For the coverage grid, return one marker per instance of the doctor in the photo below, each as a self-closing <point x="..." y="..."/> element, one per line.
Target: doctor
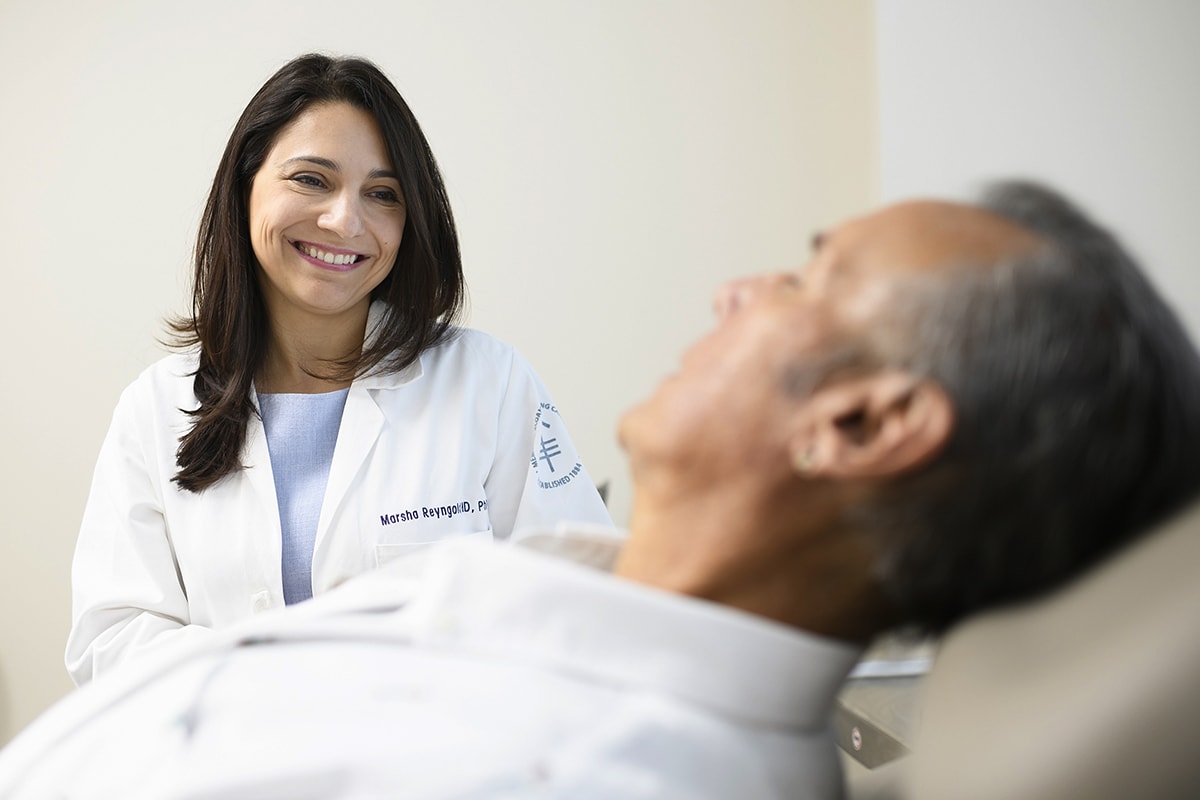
<point x="323" y="416"/>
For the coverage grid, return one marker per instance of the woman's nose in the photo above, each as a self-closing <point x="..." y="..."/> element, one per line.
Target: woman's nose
<point x="342" y="217"/>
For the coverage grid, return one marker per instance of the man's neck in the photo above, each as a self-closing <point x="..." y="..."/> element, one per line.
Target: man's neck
<point x="783" y="557"/>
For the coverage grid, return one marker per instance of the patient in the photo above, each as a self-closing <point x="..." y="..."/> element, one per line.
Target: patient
<point x="951" y="408"/>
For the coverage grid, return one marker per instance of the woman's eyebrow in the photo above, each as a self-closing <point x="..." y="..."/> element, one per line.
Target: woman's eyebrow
<point x="329" y="164"/>
<point x="317" y="160"/>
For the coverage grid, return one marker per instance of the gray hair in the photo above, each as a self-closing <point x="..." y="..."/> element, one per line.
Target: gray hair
<point x="1075" y="392"/>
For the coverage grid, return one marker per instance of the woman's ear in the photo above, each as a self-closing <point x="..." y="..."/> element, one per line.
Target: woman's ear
<point x="874" y="426"/>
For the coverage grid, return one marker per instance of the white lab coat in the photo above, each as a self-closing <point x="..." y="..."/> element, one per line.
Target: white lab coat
<point x="465" y="442"/>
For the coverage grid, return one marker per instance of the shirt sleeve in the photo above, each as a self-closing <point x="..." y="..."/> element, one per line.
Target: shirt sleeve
<point x="537" y="479"/>
<point x="126" y="587"/>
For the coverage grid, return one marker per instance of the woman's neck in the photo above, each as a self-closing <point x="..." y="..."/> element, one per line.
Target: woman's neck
<point x="301" y="352"/>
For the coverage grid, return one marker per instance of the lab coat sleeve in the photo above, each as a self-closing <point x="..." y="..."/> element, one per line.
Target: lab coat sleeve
<point x="127" y="593"/>
<point x="537" y="479"/>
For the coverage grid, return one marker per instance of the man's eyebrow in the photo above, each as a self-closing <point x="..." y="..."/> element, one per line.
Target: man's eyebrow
<point x="333" y="166"/>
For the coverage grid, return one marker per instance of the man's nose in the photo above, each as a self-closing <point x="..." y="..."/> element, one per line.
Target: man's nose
<point x="734" y="295"/>
<point x="343" y="216"/>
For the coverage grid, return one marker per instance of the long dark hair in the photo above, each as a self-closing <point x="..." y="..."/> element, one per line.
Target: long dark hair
<point x="422" y="295"/>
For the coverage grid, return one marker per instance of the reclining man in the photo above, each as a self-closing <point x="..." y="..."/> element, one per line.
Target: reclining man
<point x="952" y="407"/>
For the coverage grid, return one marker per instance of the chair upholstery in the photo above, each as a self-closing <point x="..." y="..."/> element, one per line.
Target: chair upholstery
<point x="1091" y="692"/>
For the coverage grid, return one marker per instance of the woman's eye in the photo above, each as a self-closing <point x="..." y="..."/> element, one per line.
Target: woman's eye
<point x="308" y="180"/>
<point x="386" y="195"/>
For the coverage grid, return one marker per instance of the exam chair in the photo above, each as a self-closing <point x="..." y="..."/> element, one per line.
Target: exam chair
<point x="1090" y="693"/>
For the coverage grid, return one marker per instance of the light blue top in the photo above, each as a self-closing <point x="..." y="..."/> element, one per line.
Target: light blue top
<point x="301" y="432"/>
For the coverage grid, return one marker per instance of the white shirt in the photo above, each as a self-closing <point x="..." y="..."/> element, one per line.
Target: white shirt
<point x="470" y="671"/>
<point x="464" y="442"/>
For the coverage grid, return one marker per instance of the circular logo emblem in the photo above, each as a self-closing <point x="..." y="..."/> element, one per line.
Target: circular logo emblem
<point x="554" y="460"/>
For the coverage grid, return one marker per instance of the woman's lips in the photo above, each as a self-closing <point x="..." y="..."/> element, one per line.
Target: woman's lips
<point x="329" y="257"/>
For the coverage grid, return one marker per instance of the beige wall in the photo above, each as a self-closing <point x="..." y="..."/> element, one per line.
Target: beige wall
<point x="1095" y="97"/>
<point x="609" y="162"/>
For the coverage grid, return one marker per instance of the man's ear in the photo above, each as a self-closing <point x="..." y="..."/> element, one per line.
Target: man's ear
<point x="873" y="426"/>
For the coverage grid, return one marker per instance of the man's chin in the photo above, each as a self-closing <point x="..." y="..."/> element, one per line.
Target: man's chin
<point x="634" y="424"/>
<point x="624" y="424"/>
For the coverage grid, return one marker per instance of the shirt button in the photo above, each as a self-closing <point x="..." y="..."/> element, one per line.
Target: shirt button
<point x="261" y="601"/>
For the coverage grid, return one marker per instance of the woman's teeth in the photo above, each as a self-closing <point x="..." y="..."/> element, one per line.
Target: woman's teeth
<point x="329" y="258"/>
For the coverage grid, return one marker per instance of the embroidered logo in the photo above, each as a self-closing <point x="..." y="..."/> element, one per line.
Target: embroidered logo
<point x="553" y="465"/>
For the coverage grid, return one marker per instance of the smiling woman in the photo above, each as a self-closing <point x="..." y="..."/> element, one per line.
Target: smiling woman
<point x="322" y="394"/>
<point x="326" y="220"/>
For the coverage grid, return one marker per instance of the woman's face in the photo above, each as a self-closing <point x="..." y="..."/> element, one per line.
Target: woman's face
<point x="326" y="217"/>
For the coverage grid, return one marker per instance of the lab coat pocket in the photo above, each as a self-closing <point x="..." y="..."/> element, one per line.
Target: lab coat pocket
<point x="387" y="553"/>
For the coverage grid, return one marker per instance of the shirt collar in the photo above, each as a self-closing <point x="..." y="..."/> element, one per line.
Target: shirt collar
<point x="505" y="601"/>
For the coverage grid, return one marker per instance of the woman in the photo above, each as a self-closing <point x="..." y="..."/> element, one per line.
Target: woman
<point x="324" y="415"/>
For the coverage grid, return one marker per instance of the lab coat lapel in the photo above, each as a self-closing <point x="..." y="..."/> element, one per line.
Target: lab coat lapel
<point x="362" y="422"/>
<point x="261" y="481"/>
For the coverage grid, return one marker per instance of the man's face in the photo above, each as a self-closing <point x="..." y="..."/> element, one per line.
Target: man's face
<point x="727" y="411"/>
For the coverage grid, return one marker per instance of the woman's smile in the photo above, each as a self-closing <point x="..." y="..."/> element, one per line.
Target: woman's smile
<point x="328" y="257"/>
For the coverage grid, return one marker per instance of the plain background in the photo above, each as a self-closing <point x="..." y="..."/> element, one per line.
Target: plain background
<point x="1099" y="98"/>
<point x="609" y="162"/>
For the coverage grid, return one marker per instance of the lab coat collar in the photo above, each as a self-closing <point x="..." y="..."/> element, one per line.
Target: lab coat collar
<point x="506" y="602"/>
<point x="386" y="380"/>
